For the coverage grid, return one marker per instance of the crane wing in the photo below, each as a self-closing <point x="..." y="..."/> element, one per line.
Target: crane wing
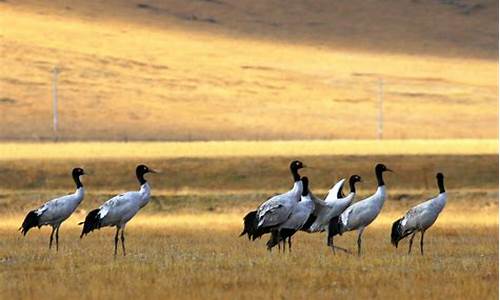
<point x="117" y="204"/>
<point x="333" y="193"/>
<point x="416" y="215"/>
<point x="359" y="214"/>
<point x="54" y="208"/>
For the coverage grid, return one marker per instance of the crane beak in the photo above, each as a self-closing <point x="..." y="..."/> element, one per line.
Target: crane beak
<point x="154" y="171"/>
<point x="389" y="170"/>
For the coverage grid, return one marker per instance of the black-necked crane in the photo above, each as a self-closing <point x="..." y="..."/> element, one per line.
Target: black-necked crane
<point x="361" y="214"/>
<point x="332" y="207"/>
<point x="420" y="218"/>
<point x="299" y="217"/>
<point x="118" y="210"/>
<point x="55" y="211"/>
<point x="275" y="210"/>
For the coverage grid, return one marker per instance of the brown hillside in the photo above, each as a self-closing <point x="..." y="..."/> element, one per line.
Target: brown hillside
<point x="218" y="69"/>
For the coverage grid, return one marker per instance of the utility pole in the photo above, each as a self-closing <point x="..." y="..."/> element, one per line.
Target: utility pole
<point x="55" y="114"/>
<point x="380" y="127"/>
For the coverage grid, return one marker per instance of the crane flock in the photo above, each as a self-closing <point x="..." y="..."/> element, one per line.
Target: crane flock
<point x="281" y="216"/>
<point x="298" y="209"/>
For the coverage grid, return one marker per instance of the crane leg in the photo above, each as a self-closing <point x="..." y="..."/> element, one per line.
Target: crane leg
<point x="116" y="239"/>
<point x="422" y="243"/>
<point x="123" y="242"/>
<point x="329" y="242"/>
<point x="290" y="244"/>
<point x="411" y="242"/>
<point x="51" y="238"/>
<point x="57" y="238"/>
<point x="280" y="240"/>
<point x="342" y="249"/>
<point x="359" y="240"/>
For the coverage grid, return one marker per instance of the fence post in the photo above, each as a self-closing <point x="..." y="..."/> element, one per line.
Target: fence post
<point x="380" y="127"/>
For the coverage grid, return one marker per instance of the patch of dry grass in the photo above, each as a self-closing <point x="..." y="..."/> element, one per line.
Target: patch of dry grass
<point x="223" y="182"/>
<point x="169" y="150"/>
<point x="200" y="256"/>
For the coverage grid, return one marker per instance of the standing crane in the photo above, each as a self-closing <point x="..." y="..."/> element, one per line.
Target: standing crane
<point x="55" y="211"/>
<point x="297" y="220"/>
<point x="120" y="209"/>
<point x="361" y="214"/>
<point x="332" y="207"/>
<point x="275" y="210"/>
<point x="420" y="217"/>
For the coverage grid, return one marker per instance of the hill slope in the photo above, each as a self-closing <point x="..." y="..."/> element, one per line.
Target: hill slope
<point x="211" y="69"/>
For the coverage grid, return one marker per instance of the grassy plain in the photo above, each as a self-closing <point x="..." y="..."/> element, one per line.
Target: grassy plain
<point x="184" y="243"/>
<point x="200" y="256"/>
<point x="204" y="70"/>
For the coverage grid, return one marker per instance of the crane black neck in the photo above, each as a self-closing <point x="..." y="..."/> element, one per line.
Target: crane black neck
<point x="140" y="177"/>
<point x="440" y="181"/>
<point x="305" y="187"/>
<point x="352" y="185"/>
<point x="76" y="178"/>
<point x="340" y="194"/>
<point x="295" y="174"/>
<point x="380" y="178"/>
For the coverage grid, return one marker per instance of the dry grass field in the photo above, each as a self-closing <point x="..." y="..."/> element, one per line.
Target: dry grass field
<point x="185" y="245"/>
<point x="204" y="70"/>
<point x="201" y="257"/>
<point x="220" y="96"/>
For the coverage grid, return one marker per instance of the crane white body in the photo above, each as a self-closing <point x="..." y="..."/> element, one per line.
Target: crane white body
<point x="364" y="212"/>
<point x="278" y="209"/>
<point x="57" y="210"/>
<point x="300" y="214"/>
<point x="118" y="210"/>
<point x="423" y="216"/>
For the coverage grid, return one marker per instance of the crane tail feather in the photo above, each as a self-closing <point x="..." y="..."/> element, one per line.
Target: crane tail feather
<point x="251" y="227"/>
<point x="31" y="220"/>
<point x="334" y="227"/>
<point x="396" y="233"/>
<point x="307" y="225"/>
<point x="92" y="222"/>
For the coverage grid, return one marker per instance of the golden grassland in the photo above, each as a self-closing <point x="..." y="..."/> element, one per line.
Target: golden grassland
<point x="186" y="256"/>
<point x="213" y="149"/>
<point x="184" y="244"/>
<point x="164" y="71"/>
